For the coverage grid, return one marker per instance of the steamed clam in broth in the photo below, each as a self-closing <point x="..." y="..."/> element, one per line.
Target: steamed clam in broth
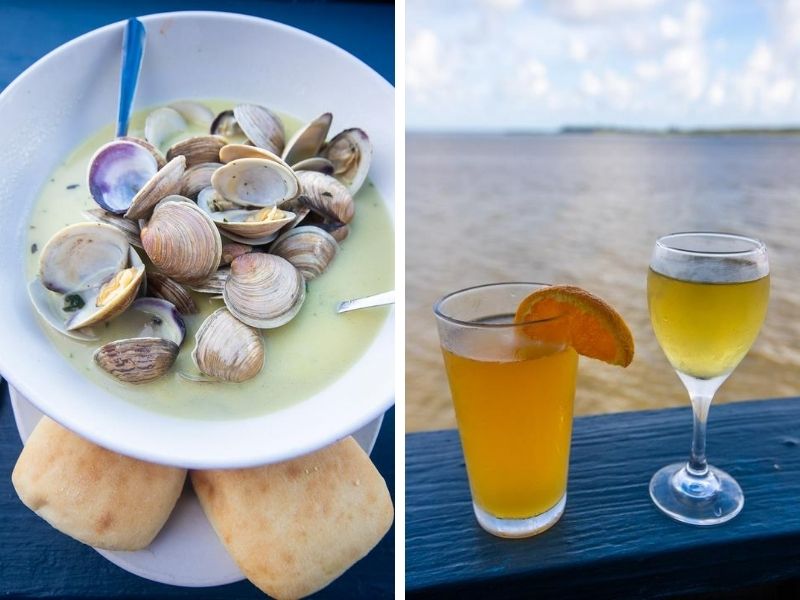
<point x="210" y="300"/>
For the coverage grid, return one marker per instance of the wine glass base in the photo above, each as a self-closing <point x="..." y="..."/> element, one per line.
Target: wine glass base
<point x="710" y="499"/>
<point x="520" y="528"/>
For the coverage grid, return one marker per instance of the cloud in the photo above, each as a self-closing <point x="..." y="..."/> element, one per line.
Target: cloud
<point x="586" y="10"/>
<point x="427" y="69"/>
<point x="533" y="80"/>
<point x="502" y="4"/>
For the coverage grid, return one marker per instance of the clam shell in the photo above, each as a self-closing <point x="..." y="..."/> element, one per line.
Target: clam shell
<point x="231" y="152"/>
<point x="165" y="182"/>
<point x="193" y="112"/>
<point x="160" y="160"/>
<point x="225" y="124"/>
<point x="227" y="349"/>
<point x="214" y="284"/>
<point x="308" y="140"/>
<point x="197" y="150"/>
<point x="182" y="241"/>
<point x="326" y="196"/>
<point x="82" y="256"/>
<point x="309" y="249"/>
<point x="126" y="226"/>
<point x="44" y="303"/>
<point x="232" y="250"/>
<point x="351" y="154"/>
<point x="255" y="182"/>
<point x="117" y="171"/>
<point x="263" y="290"/>
<point x="137" y="360"/>
<point x="235" y="224"/>
<point x="316" y="163"/>
<point x="261" y="127"/>
<point x="162" y="124"/>
<point x="161" y="286"/>
<point x="198" y="177"/>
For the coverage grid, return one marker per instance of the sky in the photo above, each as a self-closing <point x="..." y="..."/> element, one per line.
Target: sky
<point x="541" y="64"/>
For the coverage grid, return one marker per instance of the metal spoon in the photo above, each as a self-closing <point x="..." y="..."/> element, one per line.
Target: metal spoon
<point x="132" y="51"/>
<point x="366" y="302"/>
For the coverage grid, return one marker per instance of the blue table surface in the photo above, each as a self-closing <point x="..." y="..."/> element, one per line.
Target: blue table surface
<point x="35" y="560"/>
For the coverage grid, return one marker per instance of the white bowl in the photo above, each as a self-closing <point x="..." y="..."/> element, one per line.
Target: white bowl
<point x="72" y="92"/>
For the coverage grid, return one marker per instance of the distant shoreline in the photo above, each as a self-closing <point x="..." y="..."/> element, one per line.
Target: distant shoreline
<point x="613" y="130"/>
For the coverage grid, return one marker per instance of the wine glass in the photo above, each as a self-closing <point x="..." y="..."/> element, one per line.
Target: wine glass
<point x="707" y="294"/>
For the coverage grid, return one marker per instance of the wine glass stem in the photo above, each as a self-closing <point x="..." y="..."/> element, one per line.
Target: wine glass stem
<point x="698" y="465"/>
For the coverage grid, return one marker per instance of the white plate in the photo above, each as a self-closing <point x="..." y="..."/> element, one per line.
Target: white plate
<point x="72" y="92"/>
<point x="186" y="552"/>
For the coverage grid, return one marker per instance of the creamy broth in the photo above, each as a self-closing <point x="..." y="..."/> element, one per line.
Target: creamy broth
<point x="302" y="357"/>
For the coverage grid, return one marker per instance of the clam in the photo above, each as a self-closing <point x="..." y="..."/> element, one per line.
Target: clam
<point x="230" y="152"/>
<point x="225" y="124"/>
<point x="309" y="249"/>
<point x="161" y="286"/>
<point x="263" y="290"/>
<point x="194" y="112"/>
<point x="326" y="196"/>
<point x="253" y="227"/>
<point x="198" y="149"/>
<point x="226" y="349"/>
<point x="198" y="177"/>
<point x="233" y="250"/>
<point x="261" y="127"/>
<point x="160" y="160"/>
<point x="213" y="284"/>
<point x="153" y="351"/>
<point x="163" y="124"/>
<point x="94" y="273"/>
<point x="316" y="163"/>
<point x="164" y="183"/>
<point x="117" y="171"/>
<point x="255" y="182"/>
<point x="351" y="153"/>
<point x="182" y="241"/>
<point x="308" y="140"/>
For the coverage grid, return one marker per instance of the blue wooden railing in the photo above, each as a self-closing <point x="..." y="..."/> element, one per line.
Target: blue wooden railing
<point x="612" y="542"/>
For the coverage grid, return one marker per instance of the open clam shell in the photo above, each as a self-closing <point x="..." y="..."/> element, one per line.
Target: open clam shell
<point x="259" y="225"/>
<point x="136" y="360"/>
<point x="161" y="286"/>
<point x="263" y="290"/>
<point x="197" y="178"/>
<point x="231" y="152"/>
<point x="82" y="256"/>
<point x="117" y="171"/>
<point x="351" y="154"/>
<point x="193" y="112"/>
<point x="182" y="241"/>
<point x="149" y="355"/>
<point x="160" y="160"/>
<point x="126" y="226"/>
<point x="326" y="196"/>
<point x="255" y="182"/>
<point x="198" y="149"/>
<point x="165" y="182"/>
<point x="308" y="248"/>
<point x="225" y="124"/>
<point x="163" y="124"/>
<point x="308" y="140"/>
<point x="226" y="349"/>
<point x="261" y="126"/>
<point x="316" y="163"/>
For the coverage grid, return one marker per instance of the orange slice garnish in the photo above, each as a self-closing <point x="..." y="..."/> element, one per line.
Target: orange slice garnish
<point x="595" y="329"/>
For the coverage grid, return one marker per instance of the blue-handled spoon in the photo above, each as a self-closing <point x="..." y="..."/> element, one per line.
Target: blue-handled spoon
<point x="133" y="41"/>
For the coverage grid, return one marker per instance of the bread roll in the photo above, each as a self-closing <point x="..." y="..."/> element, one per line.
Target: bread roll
<point x="96" y="496"/>
<point x="294" y="527"/>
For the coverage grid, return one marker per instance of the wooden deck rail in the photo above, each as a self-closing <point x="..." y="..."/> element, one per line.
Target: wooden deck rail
<point x="612" y="542"/>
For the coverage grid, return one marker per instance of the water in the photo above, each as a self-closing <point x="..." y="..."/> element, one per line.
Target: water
<point x="586" y="210"/>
